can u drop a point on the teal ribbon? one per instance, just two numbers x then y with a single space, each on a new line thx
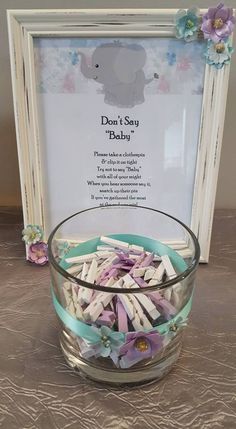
90 333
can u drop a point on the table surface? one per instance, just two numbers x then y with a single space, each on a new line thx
38 390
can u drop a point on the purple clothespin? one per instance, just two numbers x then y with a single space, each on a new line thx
140 282
138 262
168 309
147 261
107 318
121 316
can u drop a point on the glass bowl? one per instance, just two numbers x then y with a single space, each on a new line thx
122 280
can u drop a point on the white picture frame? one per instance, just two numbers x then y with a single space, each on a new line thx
25 25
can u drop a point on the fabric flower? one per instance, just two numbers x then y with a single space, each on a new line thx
32 234
139 346
218 23
187 23
38 253
63 248
108 344
218 54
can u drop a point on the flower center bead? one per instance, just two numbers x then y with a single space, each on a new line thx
173 327
219 48
106 342
189 24
218 23
141 344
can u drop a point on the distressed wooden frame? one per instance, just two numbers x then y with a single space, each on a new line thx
24 25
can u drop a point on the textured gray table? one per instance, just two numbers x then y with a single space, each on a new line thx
38 390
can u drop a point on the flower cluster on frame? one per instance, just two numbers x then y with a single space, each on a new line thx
37 249
216 26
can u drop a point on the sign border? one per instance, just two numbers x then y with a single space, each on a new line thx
24 25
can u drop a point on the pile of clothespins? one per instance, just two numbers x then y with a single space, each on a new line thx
118 264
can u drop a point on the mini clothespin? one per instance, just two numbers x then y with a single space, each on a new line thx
101 300
121 317
157 275
106 318
115 243
91 276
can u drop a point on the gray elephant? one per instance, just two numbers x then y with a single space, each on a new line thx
119 68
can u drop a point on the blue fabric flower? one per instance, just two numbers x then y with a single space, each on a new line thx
32 234
110 341
187 24
218 54
108 344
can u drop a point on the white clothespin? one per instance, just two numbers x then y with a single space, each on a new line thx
169 269
134 312
101 300
91 276
128 281
115 243
82 258
139 272
140 317
83 277
96 307
75 269
148 305
149 273
157 275
77 306
136 248
103 255
106 248
112 282
133 308
106 263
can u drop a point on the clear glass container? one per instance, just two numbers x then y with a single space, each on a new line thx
122 285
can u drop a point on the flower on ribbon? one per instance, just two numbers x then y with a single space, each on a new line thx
32 234
173 328
218 54
218 23
38 253
139 346
108 344
187 24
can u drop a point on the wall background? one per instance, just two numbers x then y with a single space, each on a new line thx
9 173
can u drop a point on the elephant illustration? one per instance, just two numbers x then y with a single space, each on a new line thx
118 67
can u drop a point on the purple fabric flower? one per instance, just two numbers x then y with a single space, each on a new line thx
218 23
38 253
139 346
